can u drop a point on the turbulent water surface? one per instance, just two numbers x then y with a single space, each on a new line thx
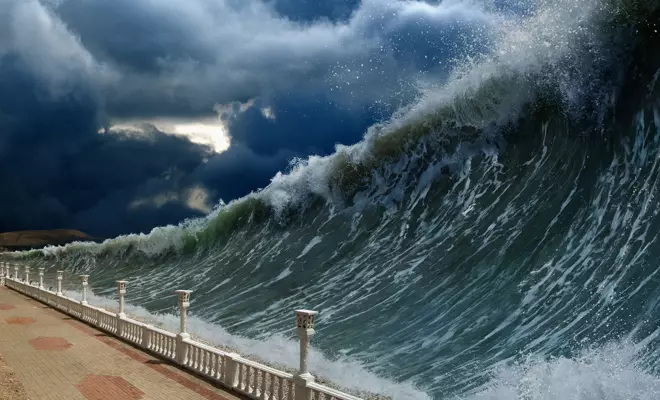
498 239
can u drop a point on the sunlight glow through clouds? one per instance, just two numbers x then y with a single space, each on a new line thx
209 132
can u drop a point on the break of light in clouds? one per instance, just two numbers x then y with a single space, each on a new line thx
209 132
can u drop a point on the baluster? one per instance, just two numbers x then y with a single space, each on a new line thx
263 384
272 386
193 357
203 354
280 388
253 380
291 389
218 364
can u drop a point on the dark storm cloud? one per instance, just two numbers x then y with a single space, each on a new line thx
300 124
176 57
314 73
238 171
312 10
57 171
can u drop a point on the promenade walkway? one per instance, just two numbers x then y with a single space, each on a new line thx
56 357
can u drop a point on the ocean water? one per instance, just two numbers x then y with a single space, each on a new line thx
496 239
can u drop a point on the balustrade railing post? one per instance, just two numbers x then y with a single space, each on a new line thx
27 275
60 274
231 370
41 277
121 315
16 272
84 281
181 345
2 274
305 329
146 336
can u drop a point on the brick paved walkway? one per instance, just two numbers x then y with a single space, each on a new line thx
56 357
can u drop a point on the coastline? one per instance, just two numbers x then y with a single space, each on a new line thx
36 239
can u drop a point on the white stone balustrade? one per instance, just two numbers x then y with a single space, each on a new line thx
16 271
27 274
255 380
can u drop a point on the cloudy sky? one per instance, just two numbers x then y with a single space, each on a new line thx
120 115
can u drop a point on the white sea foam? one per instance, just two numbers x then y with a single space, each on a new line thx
612 372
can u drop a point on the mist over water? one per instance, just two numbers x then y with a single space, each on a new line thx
498 239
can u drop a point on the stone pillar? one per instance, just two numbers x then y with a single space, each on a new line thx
27 274
15 271
231 370
60 274
121 291
305 330
41 277
181 345
146 337
2 274
84 281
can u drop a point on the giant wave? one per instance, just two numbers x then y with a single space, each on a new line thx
495 239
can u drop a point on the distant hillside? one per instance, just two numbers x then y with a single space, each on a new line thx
25 240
